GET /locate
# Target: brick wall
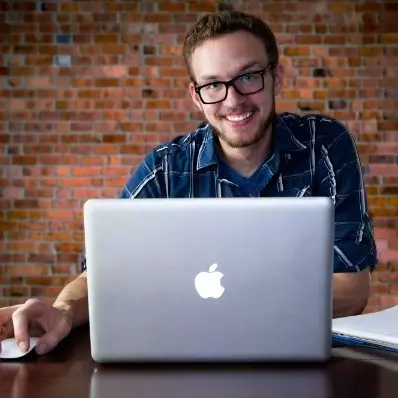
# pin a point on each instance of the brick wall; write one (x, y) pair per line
(88, 87)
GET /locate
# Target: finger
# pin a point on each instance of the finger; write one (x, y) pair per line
(2, 336)
(20, 319)
(7, 330)
(5, 333)
(6, 326)
(35, 331)
(53, 336)
(6, 313)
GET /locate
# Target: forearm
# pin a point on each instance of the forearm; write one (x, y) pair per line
(350, 293)
(73, 299)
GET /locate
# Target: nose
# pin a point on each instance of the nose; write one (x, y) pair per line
(234, 98)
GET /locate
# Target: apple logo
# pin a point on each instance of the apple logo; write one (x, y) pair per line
(208, 284)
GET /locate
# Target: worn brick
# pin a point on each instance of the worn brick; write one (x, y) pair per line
(201, 6)
(294, 51)
(171, 6)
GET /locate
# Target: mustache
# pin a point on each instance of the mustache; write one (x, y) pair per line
(234, 111)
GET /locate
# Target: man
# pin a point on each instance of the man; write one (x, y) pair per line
(243, 149)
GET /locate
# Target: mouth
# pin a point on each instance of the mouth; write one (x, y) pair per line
(239, 119)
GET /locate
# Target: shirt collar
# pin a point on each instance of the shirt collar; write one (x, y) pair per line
(207, 152)
(285, 141)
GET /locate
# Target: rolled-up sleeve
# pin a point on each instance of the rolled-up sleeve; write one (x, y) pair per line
(340, 177)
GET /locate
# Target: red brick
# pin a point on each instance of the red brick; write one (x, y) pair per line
(388, 38)
(393, 245)
(133, 148)
(159, 104)
(309, 39)
(45, 281)
(85, 171)
(155, 18)
(16, 291)
(24, 270)
(106, 126)
(93, 161)
(41, 258)
(388, 125)
(60, 214)
(57, 236)
(171, 6)
(46, 291)
(380, 288)
(388, 301)
(202, 6)
(24, 160)
(389, 255)
(293, 51)
(106, 38)
(115, 71)
(159, 61)
(16, 247)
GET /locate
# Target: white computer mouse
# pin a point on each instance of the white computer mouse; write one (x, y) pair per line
(10, 349)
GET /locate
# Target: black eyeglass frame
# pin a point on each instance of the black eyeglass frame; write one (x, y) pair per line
(231, 83)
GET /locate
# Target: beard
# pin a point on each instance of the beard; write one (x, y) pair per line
(244, 139)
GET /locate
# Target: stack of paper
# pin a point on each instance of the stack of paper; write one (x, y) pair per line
(375, 330)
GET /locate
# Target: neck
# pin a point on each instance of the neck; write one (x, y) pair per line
(247, 160)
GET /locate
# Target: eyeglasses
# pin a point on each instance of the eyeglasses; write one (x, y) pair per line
(245, 84)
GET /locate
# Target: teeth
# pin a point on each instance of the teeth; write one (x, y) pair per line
(238, 118)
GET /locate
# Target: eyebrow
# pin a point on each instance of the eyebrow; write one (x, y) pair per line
(240, 70)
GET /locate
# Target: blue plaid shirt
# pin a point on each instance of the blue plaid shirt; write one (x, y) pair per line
(313, 156)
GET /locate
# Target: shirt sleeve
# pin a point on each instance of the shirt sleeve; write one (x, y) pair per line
(340, 177)
(144, 182)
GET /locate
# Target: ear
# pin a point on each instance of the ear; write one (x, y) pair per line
(279, 72)
(195, 97)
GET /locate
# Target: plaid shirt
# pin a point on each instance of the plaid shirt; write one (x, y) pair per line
(314, 156)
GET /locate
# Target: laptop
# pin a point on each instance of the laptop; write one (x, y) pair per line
(373, 330)
(209, 280)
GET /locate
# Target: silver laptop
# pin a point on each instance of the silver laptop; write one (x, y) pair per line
(243, 279)
(374, 330)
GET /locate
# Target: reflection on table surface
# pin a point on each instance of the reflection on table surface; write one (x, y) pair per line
(197, 383)
(69, 371)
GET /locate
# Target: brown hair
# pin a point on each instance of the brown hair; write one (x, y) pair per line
(219, 23)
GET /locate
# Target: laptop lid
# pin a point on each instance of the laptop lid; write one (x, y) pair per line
(209, 279)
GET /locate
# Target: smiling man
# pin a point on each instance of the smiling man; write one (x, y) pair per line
(243, 148)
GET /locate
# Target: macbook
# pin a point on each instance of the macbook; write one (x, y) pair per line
(213, 280)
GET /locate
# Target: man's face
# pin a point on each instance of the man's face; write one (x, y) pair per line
(240, 120)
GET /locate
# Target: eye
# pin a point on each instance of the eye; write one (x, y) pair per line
(212, 87)
(248, 78)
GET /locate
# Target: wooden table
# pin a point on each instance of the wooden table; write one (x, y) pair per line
(68, 371)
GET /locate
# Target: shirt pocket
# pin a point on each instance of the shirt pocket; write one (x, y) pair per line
(297, 185)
